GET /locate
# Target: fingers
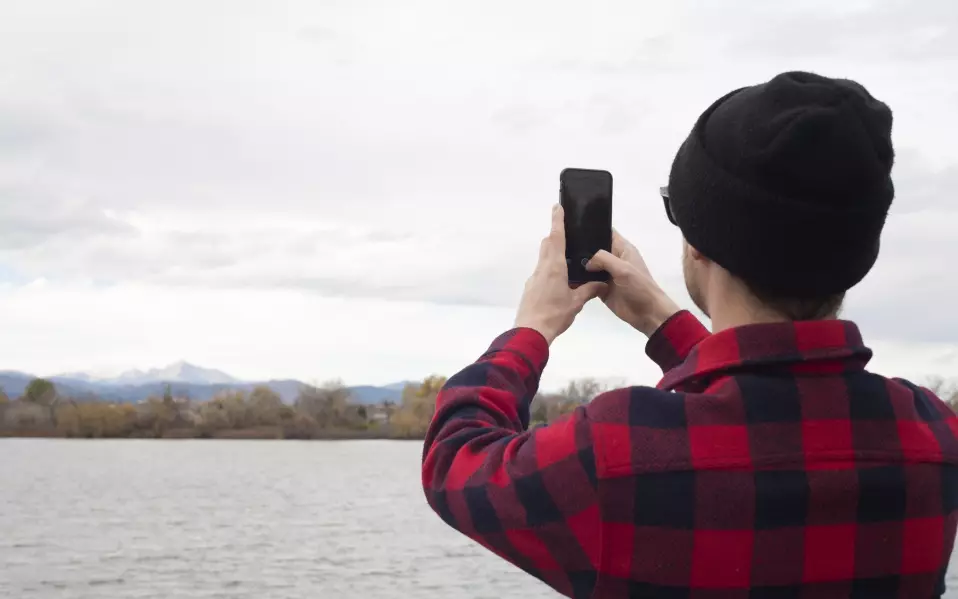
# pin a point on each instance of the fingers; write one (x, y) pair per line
(584, 293)
(618, 242)
(545, 249)
(558, 224)
(620, 245)
(553, 246)
(603, 260)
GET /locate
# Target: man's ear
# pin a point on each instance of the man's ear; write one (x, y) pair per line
(696, 255)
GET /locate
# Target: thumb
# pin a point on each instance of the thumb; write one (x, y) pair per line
(603, 260)
(584, 293)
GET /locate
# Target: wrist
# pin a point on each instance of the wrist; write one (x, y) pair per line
(544, 331)
(662, 309)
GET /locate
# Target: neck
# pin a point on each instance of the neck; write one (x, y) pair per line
(731, 315)
(731, 306)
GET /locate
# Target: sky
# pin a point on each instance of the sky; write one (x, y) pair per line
(356, 189)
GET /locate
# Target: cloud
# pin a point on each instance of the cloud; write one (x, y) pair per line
(907, 296)
(920, 186)
(31, 221)
(317, 163)
(20, 131)
(888, 30)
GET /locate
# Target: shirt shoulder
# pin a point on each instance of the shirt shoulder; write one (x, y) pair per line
(749, 420)
(927, 425)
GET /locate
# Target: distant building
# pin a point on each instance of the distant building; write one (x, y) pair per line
(378, 414)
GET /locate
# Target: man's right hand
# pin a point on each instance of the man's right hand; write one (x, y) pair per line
(633, 294)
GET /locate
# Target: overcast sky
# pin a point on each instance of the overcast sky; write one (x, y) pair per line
(357, 189)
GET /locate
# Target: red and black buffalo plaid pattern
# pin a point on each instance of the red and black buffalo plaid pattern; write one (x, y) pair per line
(767, 464)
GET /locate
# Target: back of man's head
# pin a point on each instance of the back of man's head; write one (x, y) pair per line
(786, 185)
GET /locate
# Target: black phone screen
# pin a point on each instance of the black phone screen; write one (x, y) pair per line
(586, 198)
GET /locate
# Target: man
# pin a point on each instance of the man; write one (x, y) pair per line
(767, 463)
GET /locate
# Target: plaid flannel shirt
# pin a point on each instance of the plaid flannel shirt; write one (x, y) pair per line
(767, 464)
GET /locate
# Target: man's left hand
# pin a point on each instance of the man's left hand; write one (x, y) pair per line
(548, 305)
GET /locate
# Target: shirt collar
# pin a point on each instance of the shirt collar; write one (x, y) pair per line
(809, 347)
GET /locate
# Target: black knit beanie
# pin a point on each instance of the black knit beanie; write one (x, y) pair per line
(787, 184)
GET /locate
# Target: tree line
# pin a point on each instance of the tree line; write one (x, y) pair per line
(319, 412)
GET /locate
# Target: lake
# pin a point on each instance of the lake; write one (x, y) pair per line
(233, 519)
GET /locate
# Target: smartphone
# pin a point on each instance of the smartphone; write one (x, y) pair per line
(586, 198)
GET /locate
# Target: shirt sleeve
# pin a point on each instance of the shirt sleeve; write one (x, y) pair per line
(529, 496)
(670, 345)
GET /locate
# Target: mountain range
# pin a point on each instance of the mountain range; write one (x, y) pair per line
(185, 380)
(180, 372)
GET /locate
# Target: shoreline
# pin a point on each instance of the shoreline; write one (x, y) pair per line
(253, 434)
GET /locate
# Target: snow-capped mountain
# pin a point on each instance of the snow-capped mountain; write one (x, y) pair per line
(180, 372)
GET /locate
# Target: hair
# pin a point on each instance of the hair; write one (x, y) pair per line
(814, 308)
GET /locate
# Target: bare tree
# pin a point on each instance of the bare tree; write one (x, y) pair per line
(327, 405)
(946, 390)
(418, 406)
(265, 407)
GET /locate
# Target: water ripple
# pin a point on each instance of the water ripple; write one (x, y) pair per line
(232, 519)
